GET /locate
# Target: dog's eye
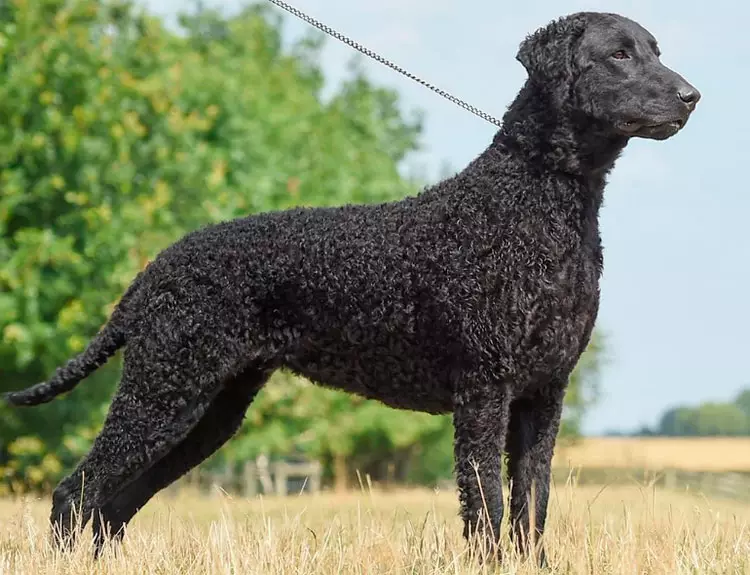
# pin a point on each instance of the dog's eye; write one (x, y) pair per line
(620, 55)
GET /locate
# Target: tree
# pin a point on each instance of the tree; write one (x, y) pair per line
(720, 419)
(78, 198)
(743, 402)
(708, 419)
(119, 136)
(678, 421)
(583, 387)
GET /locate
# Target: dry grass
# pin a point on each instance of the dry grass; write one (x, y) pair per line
(615, 530)
(716, 454)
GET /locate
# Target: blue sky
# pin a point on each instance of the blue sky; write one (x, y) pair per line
(675, 305)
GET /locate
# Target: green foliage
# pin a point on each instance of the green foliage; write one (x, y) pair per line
(119, 136)
(708, 419)
(583, 387)
(743, 402)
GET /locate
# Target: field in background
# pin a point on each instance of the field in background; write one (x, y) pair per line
(617, 530)
(706, 454)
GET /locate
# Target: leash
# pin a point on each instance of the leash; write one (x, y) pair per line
(367, 52)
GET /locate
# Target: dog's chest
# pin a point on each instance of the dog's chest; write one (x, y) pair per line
(562, 311)
(541, 319)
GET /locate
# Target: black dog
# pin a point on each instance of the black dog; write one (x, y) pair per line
(476, 297)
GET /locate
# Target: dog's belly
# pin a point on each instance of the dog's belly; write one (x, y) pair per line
(409, 394)
(400, 382)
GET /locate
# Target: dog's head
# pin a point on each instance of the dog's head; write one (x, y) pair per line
(607, 68)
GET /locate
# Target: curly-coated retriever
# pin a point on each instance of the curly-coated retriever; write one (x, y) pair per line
(475, 297)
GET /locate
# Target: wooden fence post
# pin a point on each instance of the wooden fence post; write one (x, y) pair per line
(315, 474)
(280, 475)
(250, 482)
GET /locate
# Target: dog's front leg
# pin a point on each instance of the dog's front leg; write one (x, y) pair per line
(532, 432)
(480, 419)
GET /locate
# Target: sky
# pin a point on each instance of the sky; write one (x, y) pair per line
(675, 306)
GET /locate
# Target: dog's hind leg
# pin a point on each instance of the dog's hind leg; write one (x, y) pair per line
(164, 392)
(534, 423)
(220, 422)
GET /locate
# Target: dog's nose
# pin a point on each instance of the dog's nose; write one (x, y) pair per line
(689, 95)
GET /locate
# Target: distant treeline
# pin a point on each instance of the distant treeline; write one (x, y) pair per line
(714, 418)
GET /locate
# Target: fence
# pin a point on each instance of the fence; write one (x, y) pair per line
(278, 478)
(735, 485)
(715, 467)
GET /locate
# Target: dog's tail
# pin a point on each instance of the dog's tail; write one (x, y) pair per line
(100, 349)
(104, 345)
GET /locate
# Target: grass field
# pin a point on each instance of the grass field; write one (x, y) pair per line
(715, 454)
(633, 530)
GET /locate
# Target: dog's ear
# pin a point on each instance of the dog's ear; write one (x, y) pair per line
(547, 54)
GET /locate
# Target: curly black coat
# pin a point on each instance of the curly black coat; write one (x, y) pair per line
(475, 297)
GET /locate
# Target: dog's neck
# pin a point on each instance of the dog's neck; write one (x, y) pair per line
(552, 138)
